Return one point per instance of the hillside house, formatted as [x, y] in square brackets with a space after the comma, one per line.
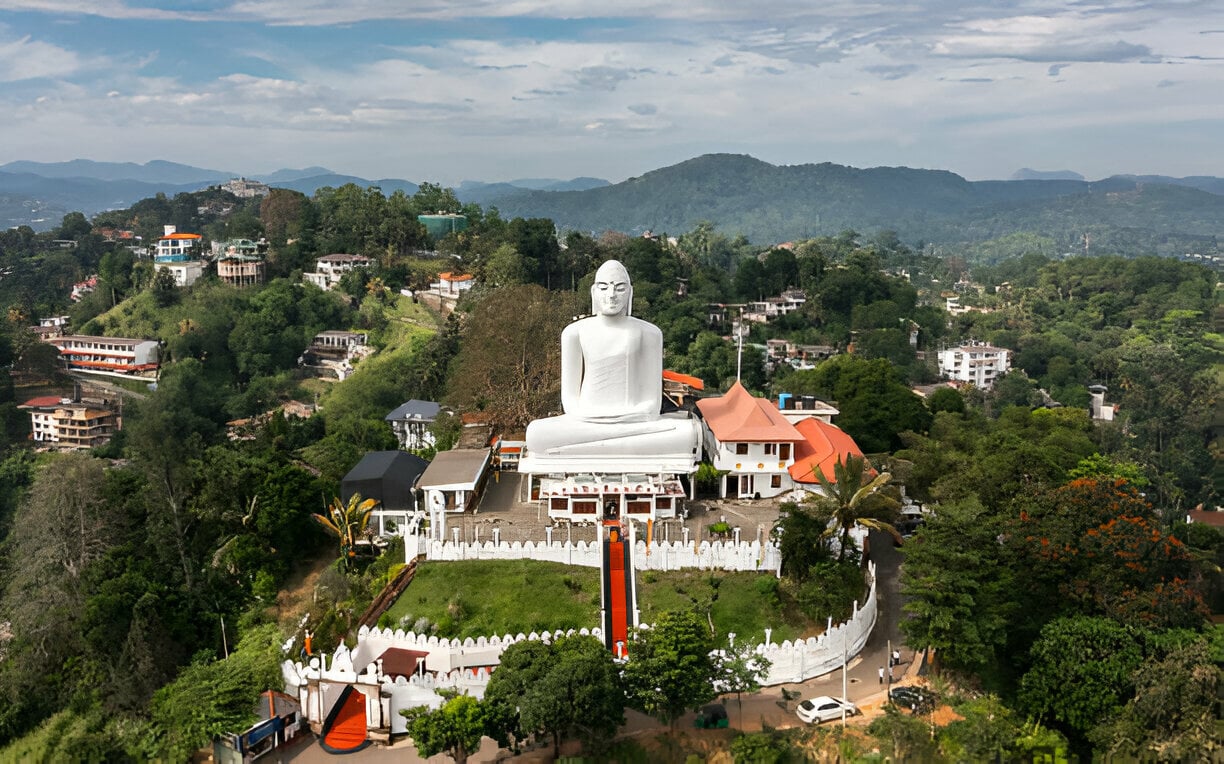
[763, 311]
[452, 483]
[241, 270]
[329, 269]
[411, 423]
[977, 363]
[82, 288]
[120, 355]
[390, 478]
[185, 272]
[452, 285]
[176, 247]
[65, 424]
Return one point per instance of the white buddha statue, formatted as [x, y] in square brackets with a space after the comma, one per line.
[611, 384]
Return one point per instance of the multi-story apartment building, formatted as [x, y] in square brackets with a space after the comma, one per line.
[976, 363]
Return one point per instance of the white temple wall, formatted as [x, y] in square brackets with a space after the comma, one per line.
[675, 555]
[320, 682]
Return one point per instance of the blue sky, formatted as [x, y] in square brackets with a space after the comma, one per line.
[444, 91]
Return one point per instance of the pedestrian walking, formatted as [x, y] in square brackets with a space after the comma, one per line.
[881, 675]
[896, 657]
[890, 674]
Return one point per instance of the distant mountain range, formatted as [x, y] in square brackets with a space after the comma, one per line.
[770, 203]
[739, 194]
[39, 194]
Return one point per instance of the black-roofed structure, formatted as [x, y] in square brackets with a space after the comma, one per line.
[390, 477]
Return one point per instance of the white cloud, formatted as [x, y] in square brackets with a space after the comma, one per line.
[25, 58]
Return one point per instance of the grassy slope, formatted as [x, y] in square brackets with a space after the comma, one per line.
[487, 597]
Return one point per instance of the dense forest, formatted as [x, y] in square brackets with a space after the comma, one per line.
[132, 571]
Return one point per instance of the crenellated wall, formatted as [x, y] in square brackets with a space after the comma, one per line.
[464, 665]
[676, 555]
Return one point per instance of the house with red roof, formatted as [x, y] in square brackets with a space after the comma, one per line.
[749, 439]
[452, 284]
[763, 453]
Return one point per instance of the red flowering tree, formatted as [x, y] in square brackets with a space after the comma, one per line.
[1096, 547]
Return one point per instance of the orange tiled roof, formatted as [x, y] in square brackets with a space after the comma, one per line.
[182, 236]
[739, 417]
[823, 445]
[43, 401]
[674, 376]
[448, 276]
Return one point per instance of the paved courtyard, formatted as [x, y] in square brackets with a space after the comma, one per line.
[501, 507]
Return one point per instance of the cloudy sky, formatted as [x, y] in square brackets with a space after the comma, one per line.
[446, 90]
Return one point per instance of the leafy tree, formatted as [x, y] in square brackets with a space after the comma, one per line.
[1081, 671]
[803, 540]
[986, 731]
[946, 399]
[509, 363]
[876, 404]
[765, 747]
[570, 687]
[165, 288]
[454, 729]
[213, 697]
[957, 588]
[739, 670]
[909, 737]
[670, 669]
[1172, 714]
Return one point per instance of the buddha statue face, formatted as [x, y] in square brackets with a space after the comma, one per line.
[611, 294]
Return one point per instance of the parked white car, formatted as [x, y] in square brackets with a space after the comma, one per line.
[824, 708]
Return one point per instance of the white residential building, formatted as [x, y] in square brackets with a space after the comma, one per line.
[330, 268]
[976, 363]
[186, 272]
[113, 354]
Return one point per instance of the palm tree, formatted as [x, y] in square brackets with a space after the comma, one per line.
[347, 522]
[847, 501]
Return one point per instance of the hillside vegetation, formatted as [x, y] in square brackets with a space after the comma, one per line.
[769, 203]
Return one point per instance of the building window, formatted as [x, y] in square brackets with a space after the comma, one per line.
[771, 449]
[741, 449]
[775, 481]
[784, 451]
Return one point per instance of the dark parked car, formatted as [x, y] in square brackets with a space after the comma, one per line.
[713, 716]
[916, 699]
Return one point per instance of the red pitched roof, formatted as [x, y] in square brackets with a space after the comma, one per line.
[739, 417]
[43, 401]
[674, 376]
[823, 445]
[1206, 517]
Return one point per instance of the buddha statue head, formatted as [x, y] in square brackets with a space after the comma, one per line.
[612, 293]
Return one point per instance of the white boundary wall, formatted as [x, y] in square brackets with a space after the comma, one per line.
[676, 555]
[815, 656]
[462, 664]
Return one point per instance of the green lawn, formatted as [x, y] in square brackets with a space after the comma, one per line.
[486, 597]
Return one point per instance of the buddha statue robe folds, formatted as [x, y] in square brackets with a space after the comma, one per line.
[611, 391]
